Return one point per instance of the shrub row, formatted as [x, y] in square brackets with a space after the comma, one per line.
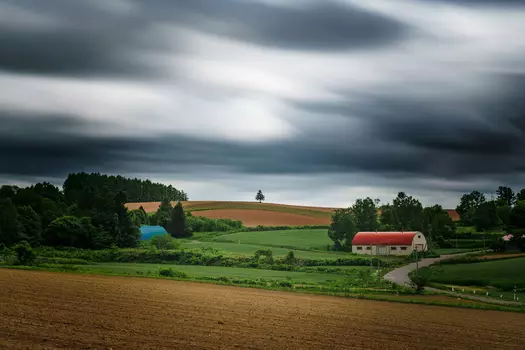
[195, 257]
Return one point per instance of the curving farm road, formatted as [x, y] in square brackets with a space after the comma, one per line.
[400, 276]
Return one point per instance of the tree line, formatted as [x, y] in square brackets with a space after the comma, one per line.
[405, 213]
[89, 212]
[179, 223]
[506, 212]
[136, 190]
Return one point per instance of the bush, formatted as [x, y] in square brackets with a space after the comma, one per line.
[286, 284]
[419, 282]
[203, 224]
[24, 253]
[164, 242]
[169, 272]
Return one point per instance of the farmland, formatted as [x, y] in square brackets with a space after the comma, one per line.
[504, 274]
[80, 311]
[255, 214]
[293, 239]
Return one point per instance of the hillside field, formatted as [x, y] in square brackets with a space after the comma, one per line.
[79, 312]
[503, 274]
[255, 214]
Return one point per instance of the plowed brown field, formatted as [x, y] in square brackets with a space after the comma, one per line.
[251, 217]
[44, 310]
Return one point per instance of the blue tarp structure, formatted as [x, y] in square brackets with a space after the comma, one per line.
[149, 231]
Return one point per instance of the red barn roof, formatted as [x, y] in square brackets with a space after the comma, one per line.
[384, 238]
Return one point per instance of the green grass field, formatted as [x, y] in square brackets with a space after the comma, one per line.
[502, 274]
[249, 250]
[218, 271]
[293, 239]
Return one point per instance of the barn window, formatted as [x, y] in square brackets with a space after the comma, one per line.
[403, 248]
[359, 248]
[368, 248]
[393, 248]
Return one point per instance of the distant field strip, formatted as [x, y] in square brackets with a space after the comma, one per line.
[293, 239]
[250, 249]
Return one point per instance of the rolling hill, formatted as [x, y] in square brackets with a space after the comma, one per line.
[254, 214]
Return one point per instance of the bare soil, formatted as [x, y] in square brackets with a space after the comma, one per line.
[253, 217]
[42, 310]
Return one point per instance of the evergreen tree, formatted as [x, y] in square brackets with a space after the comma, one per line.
[176, 227]
[30, 225]
[9, 224]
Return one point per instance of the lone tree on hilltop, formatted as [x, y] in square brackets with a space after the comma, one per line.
[260, 196]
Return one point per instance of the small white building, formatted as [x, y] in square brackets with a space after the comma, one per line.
[388, 243]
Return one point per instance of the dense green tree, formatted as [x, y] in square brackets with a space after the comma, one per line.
[437, 224]
[68, 231]
[259, 196]
[139, 217]
[9, 224]
[486, 217]
[517, 218]
[505, 195]
[163, 215]
[136, 190]
[520, 196]
[7, 191]
[24, 253]
[388, 218]
[342, 229]
[365, 214]
[164, 242]
[468, 204]
[503, 213]
[30, 225]
[406, 213]
[177, 227]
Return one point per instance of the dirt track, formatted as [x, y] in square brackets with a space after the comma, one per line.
[251, 217]
[46, 310]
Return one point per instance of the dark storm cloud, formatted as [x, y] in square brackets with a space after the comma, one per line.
[402, 138]
[323, 26]
[83, 39]
[77, 39]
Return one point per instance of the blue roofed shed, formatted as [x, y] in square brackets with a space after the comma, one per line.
[149, 231]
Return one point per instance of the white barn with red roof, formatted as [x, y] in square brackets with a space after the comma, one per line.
[388, 243]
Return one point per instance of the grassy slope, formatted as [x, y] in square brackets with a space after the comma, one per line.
[500, 273]
[249, 249]
[218, 271]
[294, 239]
[280, 242]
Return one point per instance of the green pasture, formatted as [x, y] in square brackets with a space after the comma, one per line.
[218, 271]
[502, 274]
[292, 239]
[250, 249]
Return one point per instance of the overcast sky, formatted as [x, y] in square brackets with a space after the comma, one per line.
[313, 102]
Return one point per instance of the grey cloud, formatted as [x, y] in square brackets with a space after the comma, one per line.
[87, 40]
[325, 26]
[81, 40]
